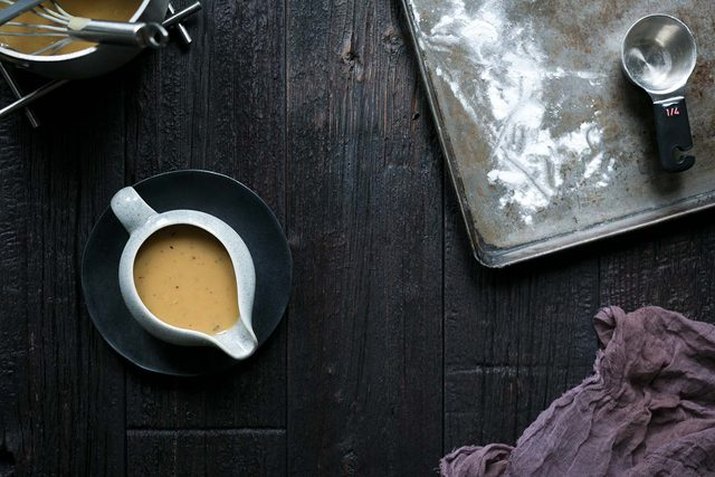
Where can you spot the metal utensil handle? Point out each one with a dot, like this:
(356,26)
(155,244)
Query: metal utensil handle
(673,134)
(29,98)
(17,9)
(142,35)
(18,95)
(182,15)
(183,32)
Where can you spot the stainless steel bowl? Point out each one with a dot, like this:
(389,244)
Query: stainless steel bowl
(93,61)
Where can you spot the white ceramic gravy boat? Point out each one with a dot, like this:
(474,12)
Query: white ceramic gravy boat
(141,221)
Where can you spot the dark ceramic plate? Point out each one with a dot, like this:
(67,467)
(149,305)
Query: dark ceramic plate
(212,193)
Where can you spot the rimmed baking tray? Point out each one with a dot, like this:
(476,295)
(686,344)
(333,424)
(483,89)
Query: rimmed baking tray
(547,144)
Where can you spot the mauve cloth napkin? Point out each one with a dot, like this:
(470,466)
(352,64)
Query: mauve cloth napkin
(648,410)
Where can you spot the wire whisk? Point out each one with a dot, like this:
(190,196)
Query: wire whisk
(64,28)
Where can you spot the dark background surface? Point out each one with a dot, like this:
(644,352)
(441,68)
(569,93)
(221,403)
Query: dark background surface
(397,345)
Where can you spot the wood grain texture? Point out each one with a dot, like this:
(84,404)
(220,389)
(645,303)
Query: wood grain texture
(13,290)
(215,453)
(64,385)
(364,208)
(670,266)
(515,339)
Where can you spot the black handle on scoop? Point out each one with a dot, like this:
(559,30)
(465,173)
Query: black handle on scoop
(673,133)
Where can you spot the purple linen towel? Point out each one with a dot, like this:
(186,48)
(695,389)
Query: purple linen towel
(648,409)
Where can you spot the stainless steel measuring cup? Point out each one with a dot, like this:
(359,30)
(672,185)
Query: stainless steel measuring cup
(658,55)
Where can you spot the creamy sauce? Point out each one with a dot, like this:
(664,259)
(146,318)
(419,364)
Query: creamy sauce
(185,277)
(116,10)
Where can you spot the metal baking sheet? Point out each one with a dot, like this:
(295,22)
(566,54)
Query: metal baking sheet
(548,144)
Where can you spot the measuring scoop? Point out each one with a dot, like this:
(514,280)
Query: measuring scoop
(658,55)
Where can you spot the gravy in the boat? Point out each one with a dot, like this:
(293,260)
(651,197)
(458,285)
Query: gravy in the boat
(185,277)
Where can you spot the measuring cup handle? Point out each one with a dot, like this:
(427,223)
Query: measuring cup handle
(673,133)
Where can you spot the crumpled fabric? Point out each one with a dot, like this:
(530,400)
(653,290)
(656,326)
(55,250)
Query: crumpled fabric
(648,409)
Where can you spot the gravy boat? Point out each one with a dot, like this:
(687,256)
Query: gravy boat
(141,221)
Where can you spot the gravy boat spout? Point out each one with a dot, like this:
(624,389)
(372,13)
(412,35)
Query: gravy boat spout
(141,221)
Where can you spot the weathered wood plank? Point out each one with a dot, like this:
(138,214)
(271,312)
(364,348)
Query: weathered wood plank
(218,106)
(251,394)
(13,287)
(365,214)
(515,339)
(670,266)
(211,452)
(63,405)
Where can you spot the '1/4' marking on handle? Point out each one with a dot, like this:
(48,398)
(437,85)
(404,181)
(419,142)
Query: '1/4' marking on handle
(674,111)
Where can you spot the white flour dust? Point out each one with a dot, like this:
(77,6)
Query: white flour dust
(515,95)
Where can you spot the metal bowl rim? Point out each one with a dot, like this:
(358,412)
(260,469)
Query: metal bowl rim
(67,56)
(694,53)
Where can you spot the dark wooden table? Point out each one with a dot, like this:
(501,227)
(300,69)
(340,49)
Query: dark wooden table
(397,346)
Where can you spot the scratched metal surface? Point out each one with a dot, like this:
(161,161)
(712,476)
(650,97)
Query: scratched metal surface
(548,145)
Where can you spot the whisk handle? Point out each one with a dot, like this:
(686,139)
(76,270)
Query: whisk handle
(142,35)
(16,9)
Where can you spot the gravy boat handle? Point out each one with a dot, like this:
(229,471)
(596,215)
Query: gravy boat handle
(130,209)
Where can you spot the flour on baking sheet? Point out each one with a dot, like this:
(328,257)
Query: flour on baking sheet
(506,93)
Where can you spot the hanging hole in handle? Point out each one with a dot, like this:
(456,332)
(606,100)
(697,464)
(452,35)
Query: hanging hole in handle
(156,35)
(683,160)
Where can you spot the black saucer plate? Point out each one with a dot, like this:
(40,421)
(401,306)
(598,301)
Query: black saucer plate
(212,193)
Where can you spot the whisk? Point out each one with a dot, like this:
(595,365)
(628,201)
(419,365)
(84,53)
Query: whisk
(66,28)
